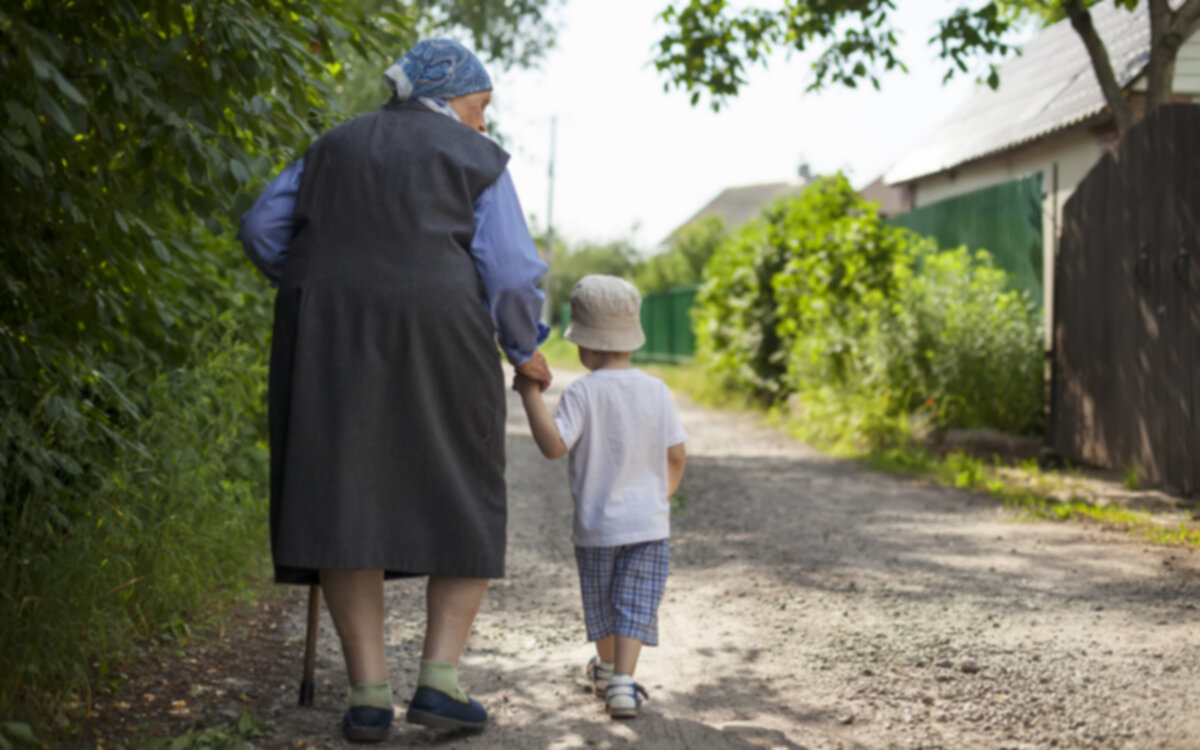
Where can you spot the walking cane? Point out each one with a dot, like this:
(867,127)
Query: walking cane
(310,645)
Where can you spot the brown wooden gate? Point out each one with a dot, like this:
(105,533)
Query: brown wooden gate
(1126,382)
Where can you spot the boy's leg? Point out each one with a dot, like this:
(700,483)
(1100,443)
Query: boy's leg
(639,580)
(626,657)
(606,648)
(595,566)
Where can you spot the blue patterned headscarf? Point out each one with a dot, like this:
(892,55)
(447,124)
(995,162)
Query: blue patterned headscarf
(437,69)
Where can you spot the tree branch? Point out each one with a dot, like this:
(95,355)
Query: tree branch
(1081,21)
(1182,19)
(1160,72)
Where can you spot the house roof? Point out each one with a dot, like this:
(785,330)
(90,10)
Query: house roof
(1050,86)
(738,205)
(892,201)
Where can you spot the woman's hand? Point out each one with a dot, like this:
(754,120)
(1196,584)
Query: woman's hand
(537,369)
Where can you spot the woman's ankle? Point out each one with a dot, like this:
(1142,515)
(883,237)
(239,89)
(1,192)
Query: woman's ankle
(442,677)
(371,695)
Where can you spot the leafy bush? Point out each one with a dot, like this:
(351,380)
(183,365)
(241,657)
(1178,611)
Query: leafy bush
(134,493)
(131,337)
(960,344)
(684,262)
(820,307)
(132,331)
(570,264)
(792,289)
(735,315)
(840,266)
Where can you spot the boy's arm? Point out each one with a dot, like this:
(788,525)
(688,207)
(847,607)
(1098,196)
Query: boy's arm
(545,433)
(676,460)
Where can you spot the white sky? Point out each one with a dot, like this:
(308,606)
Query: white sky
(635,161)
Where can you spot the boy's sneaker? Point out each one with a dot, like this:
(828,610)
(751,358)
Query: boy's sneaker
(597,676)
(623,696)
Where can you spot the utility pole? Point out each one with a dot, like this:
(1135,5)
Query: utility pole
(547,313)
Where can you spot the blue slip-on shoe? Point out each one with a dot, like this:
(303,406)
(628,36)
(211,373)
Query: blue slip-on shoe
(433,708)
(367,723)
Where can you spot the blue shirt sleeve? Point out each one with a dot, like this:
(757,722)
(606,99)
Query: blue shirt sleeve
(268,227)
(510,267)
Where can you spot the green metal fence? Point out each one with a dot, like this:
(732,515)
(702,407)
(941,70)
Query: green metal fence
(667,321)
(1004,219)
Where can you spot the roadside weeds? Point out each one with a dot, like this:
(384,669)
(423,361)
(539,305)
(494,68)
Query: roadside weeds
(1113,500)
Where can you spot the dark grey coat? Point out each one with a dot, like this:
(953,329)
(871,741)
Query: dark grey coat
(386,393)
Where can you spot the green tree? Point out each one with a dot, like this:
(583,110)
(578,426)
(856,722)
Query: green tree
(503,32)
(130,124)
(509,32)
(684,261)
(132,332)
(794,287)
(865,322)
(709,44)
(570,264)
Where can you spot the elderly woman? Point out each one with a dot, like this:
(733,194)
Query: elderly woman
(401,255)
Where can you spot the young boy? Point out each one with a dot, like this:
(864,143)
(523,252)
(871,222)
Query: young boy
(626,460)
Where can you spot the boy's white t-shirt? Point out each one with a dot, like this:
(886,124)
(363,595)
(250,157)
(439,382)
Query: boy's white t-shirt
(618,425)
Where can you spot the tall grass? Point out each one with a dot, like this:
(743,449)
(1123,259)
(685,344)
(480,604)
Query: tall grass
(178,517)
(843,428)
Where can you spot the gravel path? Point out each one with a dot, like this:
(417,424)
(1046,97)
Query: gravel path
(814,604)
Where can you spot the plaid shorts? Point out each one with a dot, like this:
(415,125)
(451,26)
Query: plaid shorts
(622,588)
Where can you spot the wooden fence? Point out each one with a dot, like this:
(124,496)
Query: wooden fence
(1126,367)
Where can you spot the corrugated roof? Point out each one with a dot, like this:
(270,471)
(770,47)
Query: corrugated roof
(1048,87)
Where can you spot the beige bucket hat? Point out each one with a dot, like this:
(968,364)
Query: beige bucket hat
(605,315)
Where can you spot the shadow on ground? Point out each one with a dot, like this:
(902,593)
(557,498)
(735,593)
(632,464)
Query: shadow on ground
(522,719)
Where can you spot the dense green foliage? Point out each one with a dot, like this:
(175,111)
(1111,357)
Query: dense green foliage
(133,334)
(960,343)
(570,264)
(131,339)
(709,44)
(803,277)
(502,32)
(684,261)
(821,307)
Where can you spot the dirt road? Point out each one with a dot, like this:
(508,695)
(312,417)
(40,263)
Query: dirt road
(813,604)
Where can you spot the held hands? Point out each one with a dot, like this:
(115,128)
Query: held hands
(535,372)
(525,385)
(532,378)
